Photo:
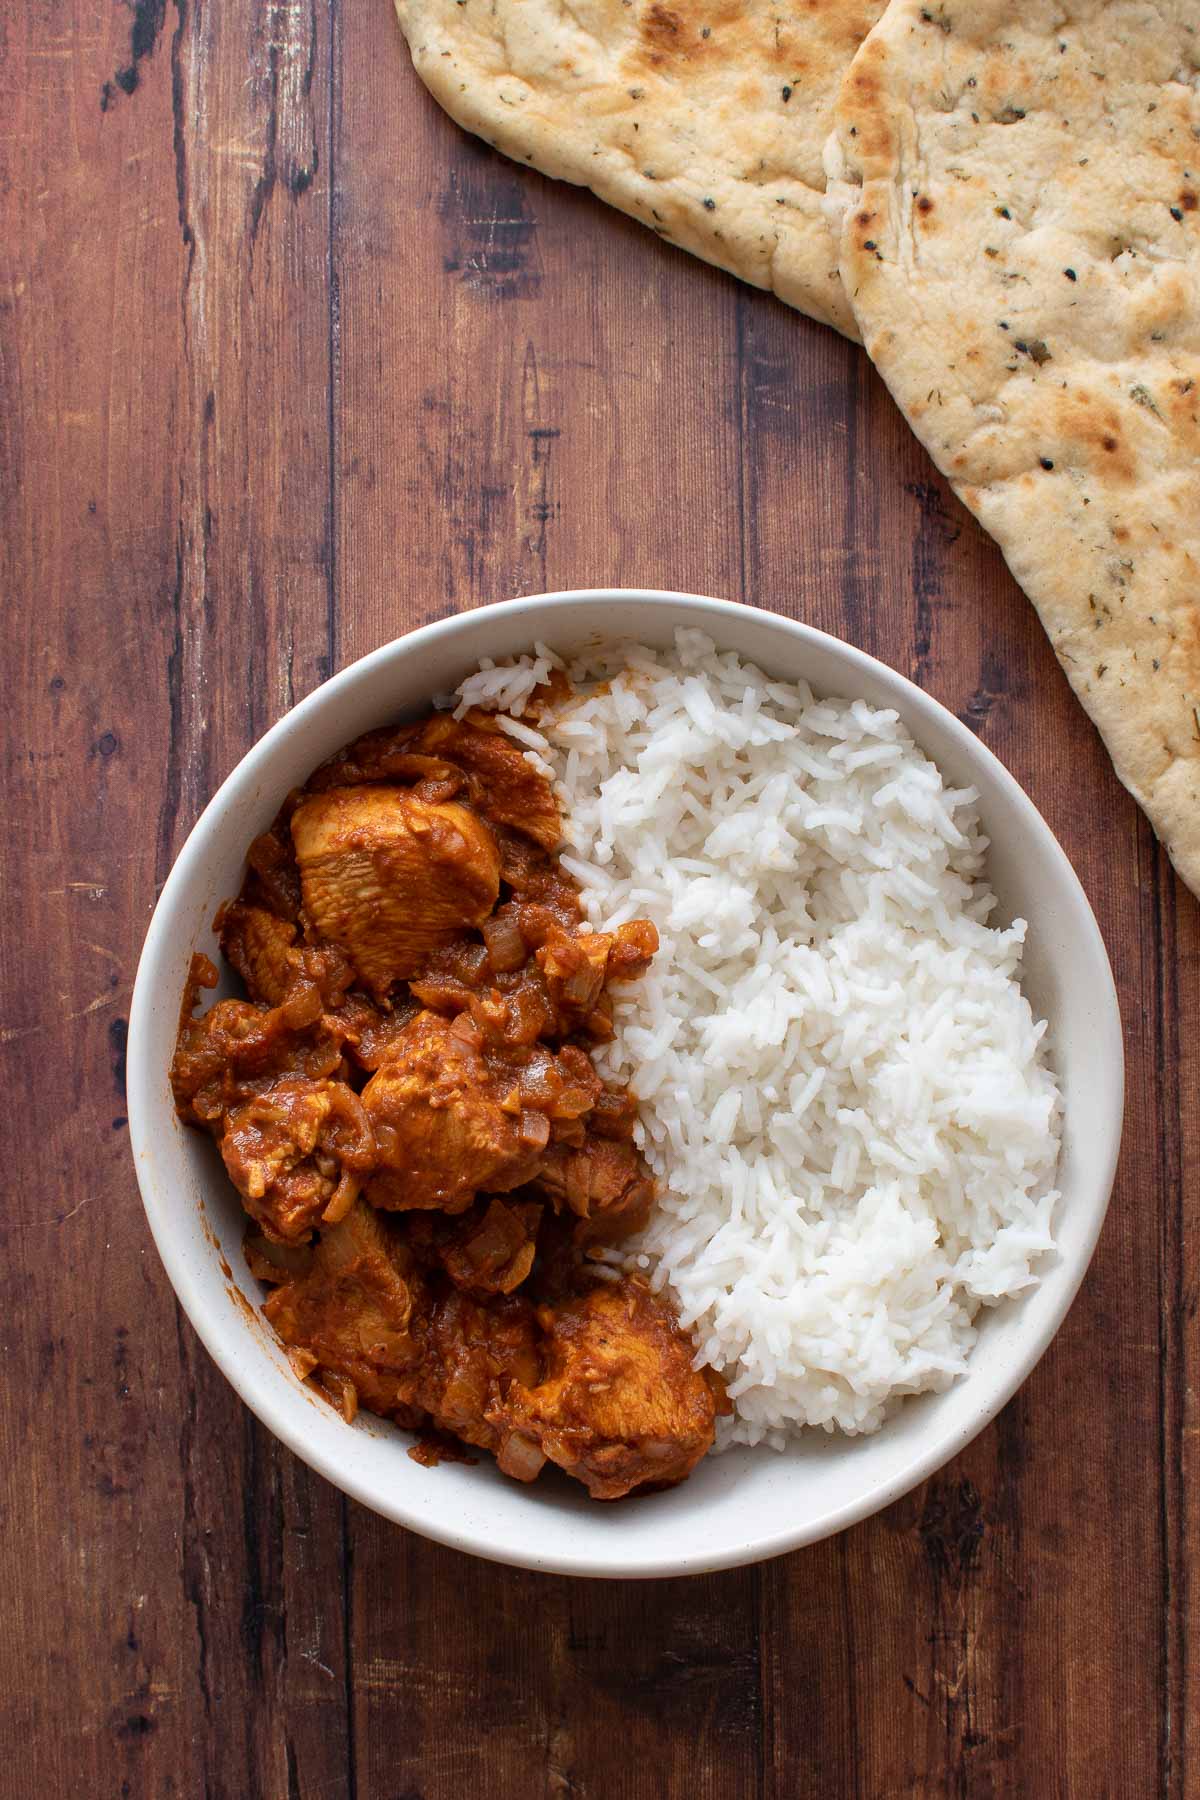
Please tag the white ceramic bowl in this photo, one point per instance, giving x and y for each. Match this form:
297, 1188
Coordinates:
743, 1505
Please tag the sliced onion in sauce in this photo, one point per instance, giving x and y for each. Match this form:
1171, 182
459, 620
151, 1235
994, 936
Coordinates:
505, 945
520, 1457
535, 1130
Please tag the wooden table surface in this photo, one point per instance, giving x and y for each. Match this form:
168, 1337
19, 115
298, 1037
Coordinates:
288, 366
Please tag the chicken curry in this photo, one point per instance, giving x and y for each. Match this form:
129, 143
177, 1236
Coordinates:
407, 1104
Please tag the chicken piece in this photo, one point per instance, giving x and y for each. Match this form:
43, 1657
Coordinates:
620, 1404
355, 1313
604, 1182
365, 1318
297, 1153
236, 1048
514, 792
262, 948
489, 1250
372, 1032
501, 783
444, 1127
390, 878
474, 1352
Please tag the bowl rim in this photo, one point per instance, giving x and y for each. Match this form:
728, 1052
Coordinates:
214, 1335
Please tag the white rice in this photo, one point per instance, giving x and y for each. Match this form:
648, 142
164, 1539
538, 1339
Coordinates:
842, 1087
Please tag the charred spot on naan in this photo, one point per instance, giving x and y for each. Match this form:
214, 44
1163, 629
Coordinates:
869, 121
686, 33
865, 242
663, 35
1096, 436
681, 33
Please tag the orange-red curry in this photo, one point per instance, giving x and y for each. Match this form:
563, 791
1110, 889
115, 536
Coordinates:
407, 1105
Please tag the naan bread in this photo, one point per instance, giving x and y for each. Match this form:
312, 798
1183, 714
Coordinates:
705, 119
1022, 254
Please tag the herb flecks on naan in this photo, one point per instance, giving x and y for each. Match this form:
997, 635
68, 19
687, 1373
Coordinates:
703, 119
1021, 246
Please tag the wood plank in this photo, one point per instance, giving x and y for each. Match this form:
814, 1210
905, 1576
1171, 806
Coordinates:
548, 433
88, 1326
512, 416
475, 1679
1177, 1087
179, 1624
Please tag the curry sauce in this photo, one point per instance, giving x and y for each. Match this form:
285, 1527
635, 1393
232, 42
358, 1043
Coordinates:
407, 1105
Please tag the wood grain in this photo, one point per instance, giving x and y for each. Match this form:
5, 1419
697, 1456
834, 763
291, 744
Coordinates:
288, 366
